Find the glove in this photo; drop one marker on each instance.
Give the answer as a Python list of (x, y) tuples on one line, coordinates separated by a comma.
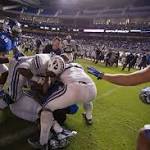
[(95, 72), (18, 54), (72, 109)]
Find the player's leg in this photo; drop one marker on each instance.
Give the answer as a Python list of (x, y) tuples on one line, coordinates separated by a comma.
[(88, 107), (69, 96), (26, 108), (46, 122)]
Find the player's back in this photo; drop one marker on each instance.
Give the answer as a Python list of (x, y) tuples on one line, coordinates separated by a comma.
[(16, 81), (75, 73)]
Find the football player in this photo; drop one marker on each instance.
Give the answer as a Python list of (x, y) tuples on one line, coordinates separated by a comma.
[(70, 47), (79, 88), (8, 42), (26, 105)]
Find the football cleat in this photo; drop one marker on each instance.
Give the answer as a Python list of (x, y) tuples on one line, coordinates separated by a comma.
[(66, 134), (88, 121), (58, 144), (34, 141), (36, 144)]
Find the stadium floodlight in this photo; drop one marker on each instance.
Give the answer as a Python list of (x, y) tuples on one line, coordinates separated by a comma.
[(93, 30)]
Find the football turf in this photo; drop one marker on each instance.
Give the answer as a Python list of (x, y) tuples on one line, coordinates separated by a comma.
[(118, 115)]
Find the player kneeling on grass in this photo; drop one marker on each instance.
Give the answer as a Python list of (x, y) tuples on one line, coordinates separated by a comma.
[(131, 79), (79, 88), (34, 69)]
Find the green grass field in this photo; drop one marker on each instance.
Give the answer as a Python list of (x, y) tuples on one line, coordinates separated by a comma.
[(118, 115)]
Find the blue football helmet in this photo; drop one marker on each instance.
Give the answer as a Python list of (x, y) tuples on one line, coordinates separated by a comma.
[(145, 95), (11, 26)]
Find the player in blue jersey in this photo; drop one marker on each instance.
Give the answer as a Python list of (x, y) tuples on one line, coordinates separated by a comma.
[(8, 42)]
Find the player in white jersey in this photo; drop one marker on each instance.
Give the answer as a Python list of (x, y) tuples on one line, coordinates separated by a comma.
[(79, 89), (70, 47), (34, 69), (22, 104)]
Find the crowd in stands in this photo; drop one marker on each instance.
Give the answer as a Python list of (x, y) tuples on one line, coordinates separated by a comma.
[(125, 53)]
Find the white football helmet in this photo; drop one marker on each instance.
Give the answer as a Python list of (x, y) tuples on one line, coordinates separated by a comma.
[(56, 65)]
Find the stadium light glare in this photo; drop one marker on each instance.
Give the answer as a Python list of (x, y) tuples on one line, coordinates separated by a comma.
[(117, 31), (145, 31), (53, 29), (26, 26), (93, 30), (76, 30), (135, 30), (46, 28), (1, 20), (122, 31), (69, 1)]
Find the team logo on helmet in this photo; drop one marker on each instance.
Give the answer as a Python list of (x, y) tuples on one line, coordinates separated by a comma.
[(56, 65)]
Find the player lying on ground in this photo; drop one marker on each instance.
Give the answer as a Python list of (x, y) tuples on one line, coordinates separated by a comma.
[(131, 79)]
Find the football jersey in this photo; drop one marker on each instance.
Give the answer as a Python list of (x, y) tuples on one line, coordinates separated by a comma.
[(69, 46), (74, 73), (37, 64), (7, 43)]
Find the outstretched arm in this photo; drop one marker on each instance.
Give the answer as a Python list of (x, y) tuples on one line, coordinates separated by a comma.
[(131, 79)]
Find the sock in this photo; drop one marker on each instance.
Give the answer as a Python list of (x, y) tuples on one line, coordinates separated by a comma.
[(57, 128), (46, 121), (88, 107)]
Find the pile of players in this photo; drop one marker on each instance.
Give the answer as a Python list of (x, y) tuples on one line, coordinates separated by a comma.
[(43, 88)]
